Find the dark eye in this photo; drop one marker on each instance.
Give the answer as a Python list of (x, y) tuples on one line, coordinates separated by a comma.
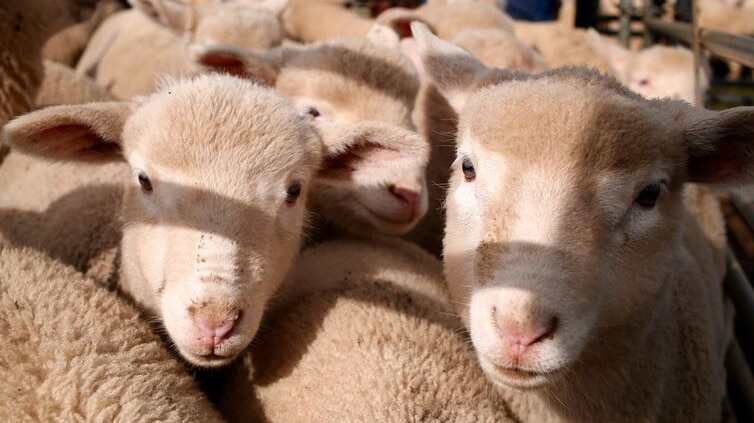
[(313, 112), (146, 184), (648, 196), (644, 82), (293, 192), (468, 169)]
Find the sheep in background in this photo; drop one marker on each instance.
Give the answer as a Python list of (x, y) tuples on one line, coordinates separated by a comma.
[(67, 45), (62, 85), (220, 171), (654, 72), (74, 351), (133, 47), (547, 225), (359, 93), (363, 331), (560, 44), (500, 49), (28, 24)]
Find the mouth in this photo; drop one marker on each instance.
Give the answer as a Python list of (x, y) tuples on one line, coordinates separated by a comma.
[(518, 377), (210, 360)]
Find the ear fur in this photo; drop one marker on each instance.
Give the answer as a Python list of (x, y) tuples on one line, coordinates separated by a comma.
[(89, 132), (452, 69)]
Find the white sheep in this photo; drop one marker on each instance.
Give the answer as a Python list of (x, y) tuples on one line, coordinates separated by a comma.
[(363, 331), (62, 85), (585, 268), (131, 48), (214, 207), (654, 72), (75, 351), (360, 94)]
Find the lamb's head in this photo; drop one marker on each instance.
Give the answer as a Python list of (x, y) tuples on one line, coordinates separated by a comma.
[(655, 72), (564, 209), (214, 211), (359, 94), (249, 25)]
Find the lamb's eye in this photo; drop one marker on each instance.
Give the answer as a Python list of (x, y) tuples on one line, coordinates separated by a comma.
[(648, 196), (146, 184), (468, 169), (644, 82), (293, 192), (313, 112)]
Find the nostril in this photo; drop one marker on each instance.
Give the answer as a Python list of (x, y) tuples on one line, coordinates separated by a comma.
[(213, 328), (518, 335), (409, 196)]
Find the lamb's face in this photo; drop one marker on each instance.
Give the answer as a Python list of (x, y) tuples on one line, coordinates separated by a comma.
[(215, 209), (660, 72), (561, 218), (251, 26), (361, 97)]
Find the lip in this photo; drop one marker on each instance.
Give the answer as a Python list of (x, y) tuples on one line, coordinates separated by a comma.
[(210, 360), (517, 377)]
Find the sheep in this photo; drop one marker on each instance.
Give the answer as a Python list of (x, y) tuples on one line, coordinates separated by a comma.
[(560, 44), (359, 93), (132, 47), (654, 72), (62, 85), (67, 45), (238, 155), (362, 331), (303, 21), (500, 49), (27, 26), (74, 351), (448, 19), (588, 274)]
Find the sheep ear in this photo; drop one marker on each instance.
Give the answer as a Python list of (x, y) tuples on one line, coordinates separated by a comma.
[(399, 19), (275, 6), (613, 54), (260, 67), (452, 69), (384, 36), (721, 145), (176, 15), (89, 132)]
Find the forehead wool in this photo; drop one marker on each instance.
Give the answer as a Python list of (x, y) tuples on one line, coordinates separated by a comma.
[(212, 121), (571, 118)]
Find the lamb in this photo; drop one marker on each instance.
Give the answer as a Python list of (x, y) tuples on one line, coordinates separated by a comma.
[(303, 21), (447, 20), (560, 44), (74, 351), (377, 342), (359, 93), (132, 47), (67, 45), (27, 26), (243, 160), (500, 49), (546, 223), (62, 85), (654, 72)]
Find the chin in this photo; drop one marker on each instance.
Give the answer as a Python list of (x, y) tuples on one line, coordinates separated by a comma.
[(209, 360), (520, 377)]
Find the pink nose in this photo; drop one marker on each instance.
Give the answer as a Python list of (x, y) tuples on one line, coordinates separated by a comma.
[(214, 330), (517, 337), (409, 196)]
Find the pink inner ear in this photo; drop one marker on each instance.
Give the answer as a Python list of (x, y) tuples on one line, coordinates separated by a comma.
[(729, 164), (344, 164), (73, 142), (225, 62)]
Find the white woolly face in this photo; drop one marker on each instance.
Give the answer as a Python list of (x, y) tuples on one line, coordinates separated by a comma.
[(373, 177), (662, 72), (543, 255), (214, 216)]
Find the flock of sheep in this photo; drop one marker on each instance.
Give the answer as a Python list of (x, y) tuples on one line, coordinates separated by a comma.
[(279, 210)]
